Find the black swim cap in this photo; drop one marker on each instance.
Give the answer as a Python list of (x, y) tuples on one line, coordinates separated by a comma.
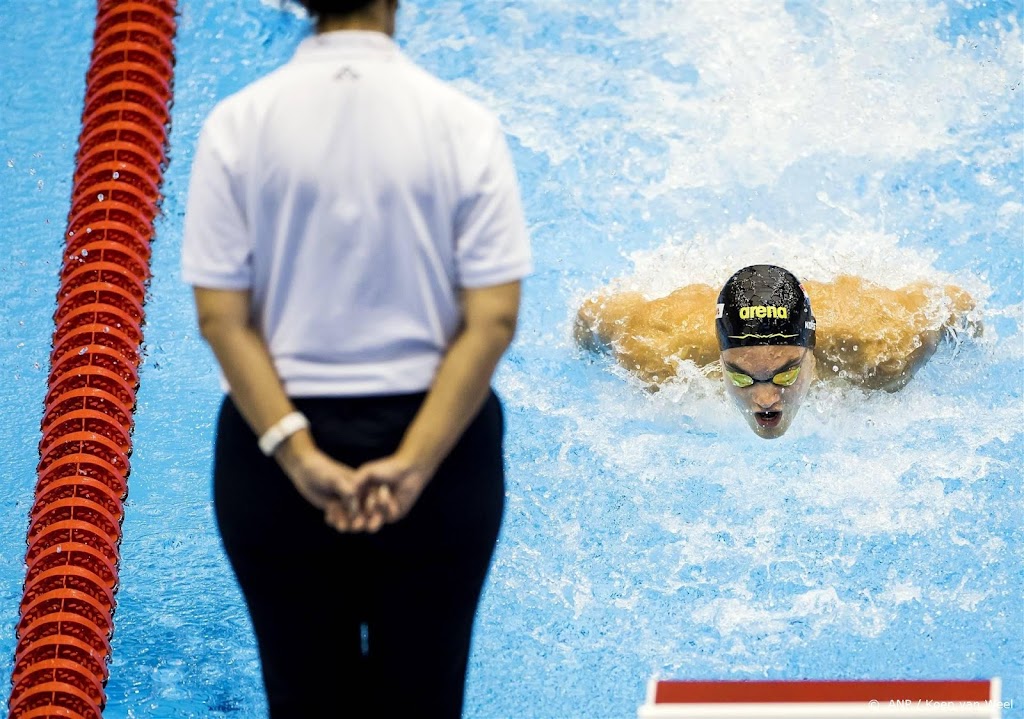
[(764, 305)]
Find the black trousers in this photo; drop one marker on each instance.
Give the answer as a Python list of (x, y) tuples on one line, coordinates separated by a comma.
[(359, 625)]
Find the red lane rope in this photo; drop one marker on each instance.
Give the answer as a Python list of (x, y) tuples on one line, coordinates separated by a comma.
[(67, 609)]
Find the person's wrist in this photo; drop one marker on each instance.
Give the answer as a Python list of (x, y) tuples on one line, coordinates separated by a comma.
[(293, 453), (419, 462)]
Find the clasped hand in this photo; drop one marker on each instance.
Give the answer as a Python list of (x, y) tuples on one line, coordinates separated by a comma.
[(362, 499)]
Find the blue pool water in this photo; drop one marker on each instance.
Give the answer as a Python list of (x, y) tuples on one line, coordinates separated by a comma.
[(659, 142)]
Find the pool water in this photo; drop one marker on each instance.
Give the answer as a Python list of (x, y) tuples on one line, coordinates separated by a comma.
[(658, 143)]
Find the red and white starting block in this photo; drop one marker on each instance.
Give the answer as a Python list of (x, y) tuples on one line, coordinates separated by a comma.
[(823, 700)]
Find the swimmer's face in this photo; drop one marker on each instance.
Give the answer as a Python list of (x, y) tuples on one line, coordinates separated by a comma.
[(768, 407)]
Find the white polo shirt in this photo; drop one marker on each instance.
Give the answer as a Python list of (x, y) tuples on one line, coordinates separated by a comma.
[(353, 194)]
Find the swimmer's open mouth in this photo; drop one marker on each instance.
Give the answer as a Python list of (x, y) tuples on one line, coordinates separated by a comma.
[(768, 419)]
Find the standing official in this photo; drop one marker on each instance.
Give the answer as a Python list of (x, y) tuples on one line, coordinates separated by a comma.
[(355, 240)]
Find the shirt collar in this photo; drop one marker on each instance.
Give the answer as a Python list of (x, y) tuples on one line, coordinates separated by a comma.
[(360, 43)]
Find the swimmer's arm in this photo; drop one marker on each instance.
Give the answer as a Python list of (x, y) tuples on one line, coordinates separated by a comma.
[(621, 325), (879, 338), (650, 337), (924, 335), (602, 320), (962, 316)]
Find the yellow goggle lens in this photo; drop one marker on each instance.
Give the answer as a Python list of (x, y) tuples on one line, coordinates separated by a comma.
[(740, 380), (787, 378)]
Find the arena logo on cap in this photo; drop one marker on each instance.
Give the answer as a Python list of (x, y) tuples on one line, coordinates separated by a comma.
[(763, 312)]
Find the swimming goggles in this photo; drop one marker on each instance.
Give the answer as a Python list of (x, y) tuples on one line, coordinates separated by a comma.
[(782, 379), (785, 378)]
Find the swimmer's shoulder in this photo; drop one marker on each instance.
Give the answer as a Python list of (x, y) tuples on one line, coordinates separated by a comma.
[(846, 289), (696, 297), (841, 289)]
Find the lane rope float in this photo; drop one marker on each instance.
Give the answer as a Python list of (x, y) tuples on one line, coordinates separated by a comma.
[(67, 609)]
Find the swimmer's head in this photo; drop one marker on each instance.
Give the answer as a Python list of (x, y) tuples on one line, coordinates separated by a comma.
[(764, 305), (766, 334)]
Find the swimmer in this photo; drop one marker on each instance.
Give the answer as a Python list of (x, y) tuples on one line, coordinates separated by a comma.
[(766, 341)]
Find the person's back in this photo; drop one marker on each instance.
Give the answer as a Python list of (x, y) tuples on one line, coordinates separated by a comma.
[(352, 156)]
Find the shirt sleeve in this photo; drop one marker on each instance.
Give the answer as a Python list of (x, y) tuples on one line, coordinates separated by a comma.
[(217, 246), (491, 241)]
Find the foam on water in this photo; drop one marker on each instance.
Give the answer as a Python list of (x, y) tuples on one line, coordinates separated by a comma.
[(854, 79), (741, 92)]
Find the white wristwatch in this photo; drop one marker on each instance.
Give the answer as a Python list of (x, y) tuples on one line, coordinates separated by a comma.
[(282, 430)]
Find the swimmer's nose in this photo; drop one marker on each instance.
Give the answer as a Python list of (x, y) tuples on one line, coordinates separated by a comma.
[(766, 397)]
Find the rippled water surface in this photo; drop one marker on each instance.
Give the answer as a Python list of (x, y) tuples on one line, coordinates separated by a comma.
[(658, 142)]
